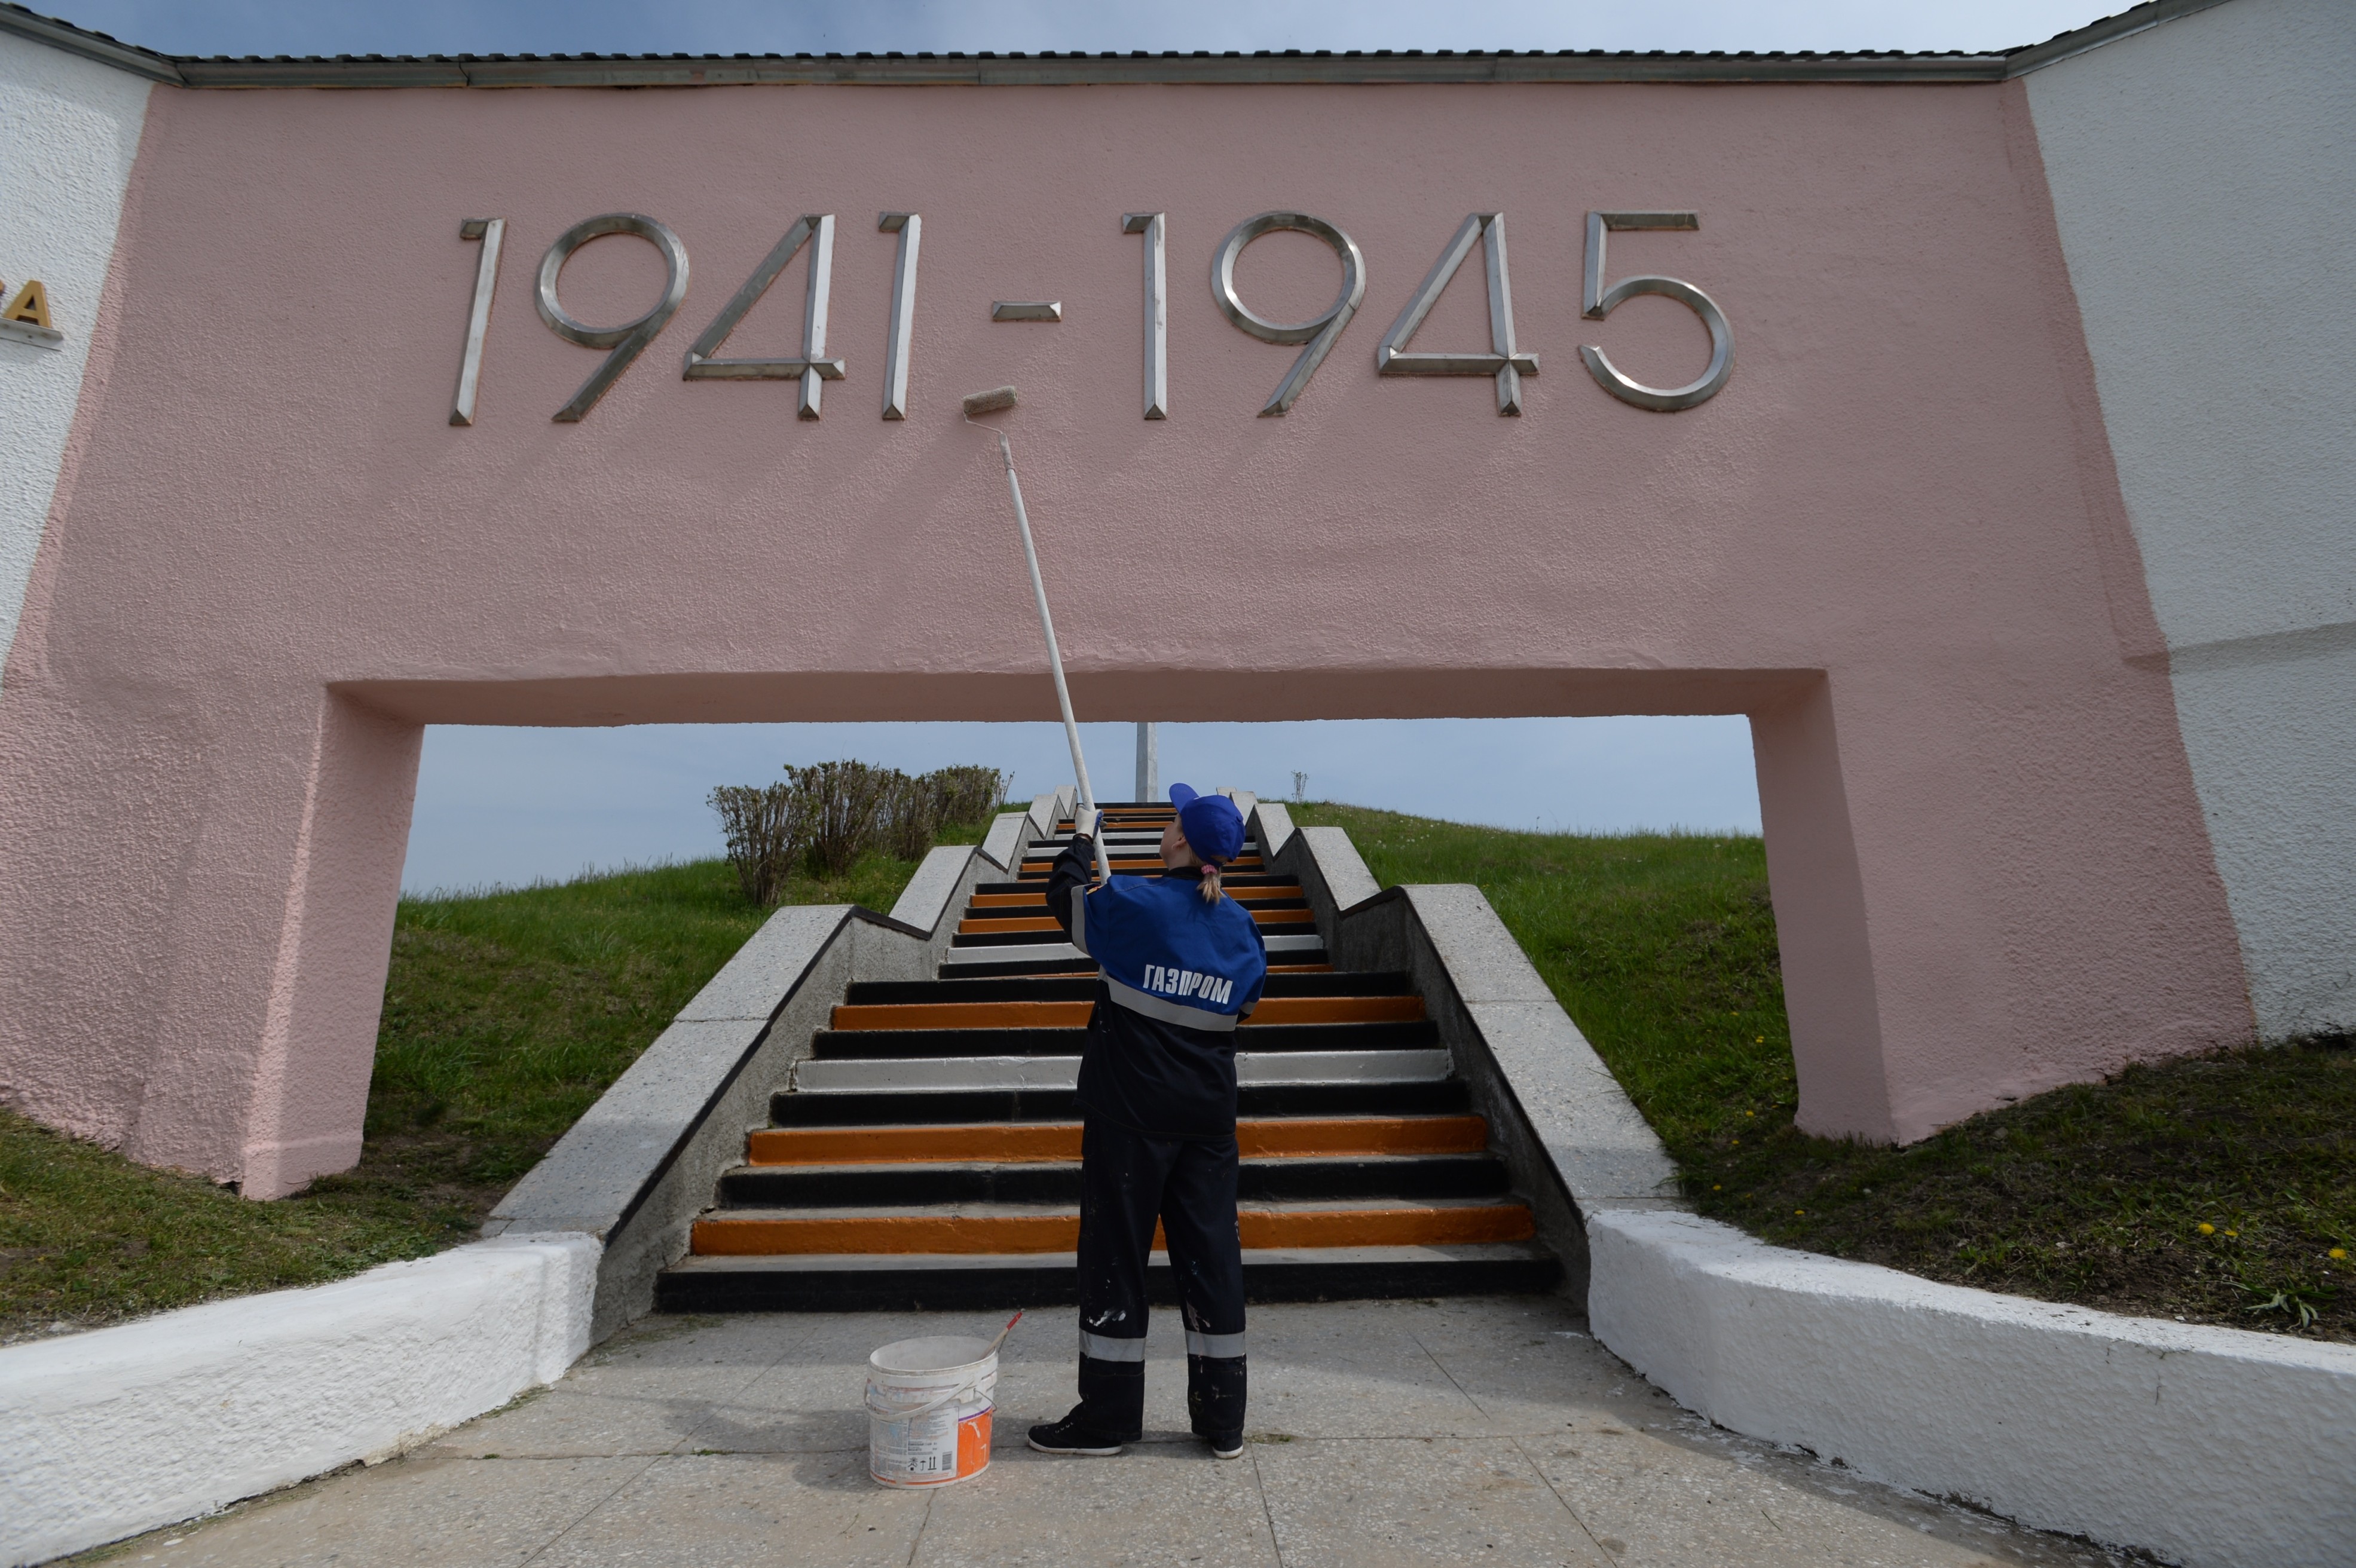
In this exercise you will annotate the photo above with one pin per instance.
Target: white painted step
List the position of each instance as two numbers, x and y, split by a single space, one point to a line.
1048 849
935 1074
1013 952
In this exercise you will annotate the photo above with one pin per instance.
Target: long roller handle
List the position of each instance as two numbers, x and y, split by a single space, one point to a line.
1054 654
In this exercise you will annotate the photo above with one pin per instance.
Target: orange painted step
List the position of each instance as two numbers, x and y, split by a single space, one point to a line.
1075 1015
1047 921
1037 1143
1399 1225
1039 899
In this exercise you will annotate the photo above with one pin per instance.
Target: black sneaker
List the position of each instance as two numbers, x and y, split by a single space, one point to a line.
1226 1445
1068 1436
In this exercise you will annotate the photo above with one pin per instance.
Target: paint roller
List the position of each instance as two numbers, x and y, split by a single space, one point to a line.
997 400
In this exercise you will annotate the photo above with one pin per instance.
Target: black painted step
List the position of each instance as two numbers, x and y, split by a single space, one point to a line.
928 1284
1009 938
1018 967
1058 1182
890 1108
957 989
1004 968
880 1044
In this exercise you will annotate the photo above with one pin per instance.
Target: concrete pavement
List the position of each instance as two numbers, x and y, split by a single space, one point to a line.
1488 1430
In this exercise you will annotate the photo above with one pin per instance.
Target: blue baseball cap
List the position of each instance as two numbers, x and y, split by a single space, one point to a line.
1213 827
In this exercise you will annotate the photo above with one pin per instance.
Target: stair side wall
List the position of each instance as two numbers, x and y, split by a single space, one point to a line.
1572 1139
642 1163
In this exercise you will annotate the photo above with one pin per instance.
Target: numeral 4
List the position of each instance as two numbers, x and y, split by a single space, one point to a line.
1503 361
811 367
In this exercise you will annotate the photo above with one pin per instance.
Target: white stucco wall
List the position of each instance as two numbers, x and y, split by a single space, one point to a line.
69 131
2211 1447
2204 180
106 1433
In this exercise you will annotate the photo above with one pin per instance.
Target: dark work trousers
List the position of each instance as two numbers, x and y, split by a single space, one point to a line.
1127 1180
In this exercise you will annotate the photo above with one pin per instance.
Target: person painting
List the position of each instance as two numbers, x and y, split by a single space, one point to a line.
1180 964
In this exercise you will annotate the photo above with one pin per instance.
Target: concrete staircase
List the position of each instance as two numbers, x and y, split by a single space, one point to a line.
926 1154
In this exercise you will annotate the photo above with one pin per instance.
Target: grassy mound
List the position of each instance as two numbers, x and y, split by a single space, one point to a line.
2216 1190
506 1015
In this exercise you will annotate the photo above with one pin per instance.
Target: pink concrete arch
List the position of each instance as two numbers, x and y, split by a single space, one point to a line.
1894 540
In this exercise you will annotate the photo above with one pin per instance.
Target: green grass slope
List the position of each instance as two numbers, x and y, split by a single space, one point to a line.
506 1015
2217 1189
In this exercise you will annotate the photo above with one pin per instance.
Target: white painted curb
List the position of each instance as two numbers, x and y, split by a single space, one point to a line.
2213 1447
107 1434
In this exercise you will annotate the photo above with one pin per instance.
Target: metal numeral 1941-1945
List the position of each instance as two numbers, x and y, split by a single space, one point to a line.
1505 360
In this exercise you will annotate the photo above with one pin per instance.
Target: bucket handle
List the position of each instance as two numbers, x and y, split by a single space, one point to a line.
961 1391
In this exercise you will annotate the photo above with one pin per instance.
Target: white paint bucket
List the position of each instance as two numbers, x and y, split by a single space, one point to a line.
928 1408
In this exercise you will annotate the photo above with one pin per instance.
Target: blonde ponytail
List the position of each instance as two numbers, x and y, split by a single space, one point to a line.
1211 888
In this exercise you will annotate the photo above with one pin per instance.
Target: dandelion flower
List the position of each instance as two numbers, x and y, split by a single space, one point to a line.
1717 1186
2206 1229
2232 1233
1759 1040
2338 1255
1799 1210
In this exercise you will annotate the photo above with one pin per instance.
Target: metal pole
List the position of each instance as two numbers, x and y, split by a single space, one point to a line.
1054 656
1149 761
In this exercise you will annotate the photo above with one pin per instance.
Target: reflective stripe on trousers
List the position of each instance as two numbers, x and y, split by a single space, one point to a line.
1103 1348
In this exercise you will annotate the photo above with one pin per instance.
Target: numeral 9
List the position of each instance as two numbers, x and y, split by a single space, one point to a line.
628 340
1319 331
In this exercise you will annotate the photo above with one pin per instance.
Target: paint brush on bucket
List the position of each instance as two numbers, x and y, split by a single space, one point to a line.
997 399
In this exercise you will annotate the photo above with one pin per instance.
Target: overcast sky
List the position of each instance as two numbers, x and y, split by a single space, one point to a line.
512 805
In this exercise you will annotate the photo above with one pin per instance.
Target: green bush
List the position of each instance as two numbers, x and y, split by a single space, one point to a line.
826 815
766 831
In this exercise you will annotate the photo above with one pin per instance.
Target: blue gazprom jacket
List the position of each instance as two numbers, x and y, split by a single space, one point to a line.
1177 975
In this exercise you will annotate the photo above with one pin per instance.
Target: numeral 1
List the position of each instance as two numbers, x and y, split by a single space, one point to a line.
1157 311
492 233
900 340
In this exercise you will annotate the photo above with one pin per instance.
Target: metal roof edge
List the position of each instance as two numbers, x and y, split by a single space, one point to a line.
74 40
1088 70
1074 69
2094 34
